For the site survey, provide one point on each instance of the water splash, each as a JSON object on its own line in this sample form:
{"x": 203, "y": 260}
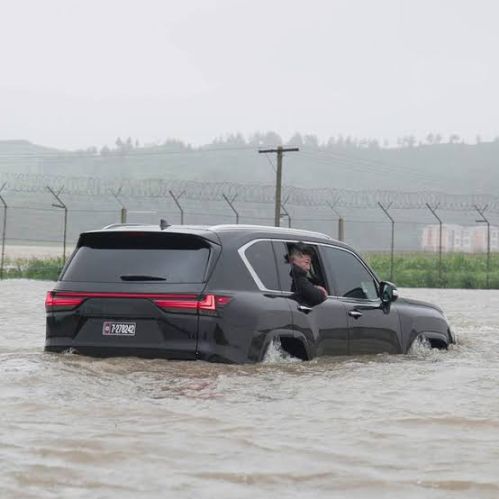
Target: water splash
{"x": 421, "y": 349}
{"x": 420, "y": 346}
{"x": 275, "y": 354}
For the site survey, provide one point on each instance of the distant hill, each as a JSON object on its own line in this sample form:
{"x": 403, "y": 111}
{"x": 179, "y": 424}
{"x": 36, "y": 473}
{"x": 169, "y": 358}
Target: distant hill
{"x": 342, "y": 164}
{"x": 447, "y": 167}
{"x": 22, "y": 156}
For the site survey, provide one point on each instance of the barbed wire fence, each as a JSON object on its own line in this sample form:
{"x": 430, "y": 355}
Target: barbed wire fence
{"x": 254, "y": 193}
{"x": 38, "y": 220}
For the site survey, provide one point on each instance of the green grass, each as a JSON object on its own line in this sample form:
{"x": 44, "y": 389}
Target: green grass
{"x": 421, "y": 270}
{"x": 411, "y": 270}
{"x": 32, "y": 268}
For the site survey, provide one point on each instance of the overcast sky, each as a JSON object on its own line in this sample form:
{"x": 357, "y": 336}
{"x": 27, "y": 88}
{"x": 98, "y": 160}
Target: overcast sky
{"x": 76, "y": 73}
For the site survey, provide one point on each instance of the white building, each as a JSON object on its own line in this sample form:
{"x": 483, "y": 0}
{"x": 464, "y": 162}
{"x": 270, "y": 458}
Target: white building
{"x": 466, "y": 239}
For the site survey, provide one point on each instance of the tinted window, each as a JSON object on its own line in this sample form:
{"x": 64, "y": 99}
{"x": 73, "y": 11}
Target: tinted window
{"x": 350, "y": 277}
{"x": 261, "y": 257}
{"x": 282, "y": 250}
{"x": 139, "y": 256}
{"x": 283, "y": 267}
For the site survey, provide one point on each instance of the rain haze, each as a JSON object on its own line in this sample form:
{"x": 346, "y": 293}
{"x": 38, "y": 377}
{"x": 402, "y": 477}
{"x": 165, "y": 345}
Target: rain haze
{"x": 81, "y": 73}
{"x": 373, "y": 124}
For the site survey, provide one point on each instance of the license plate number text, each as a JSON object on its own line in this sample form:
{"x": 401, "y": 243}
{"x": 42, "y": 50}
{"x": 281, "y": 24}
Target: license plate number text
{"x": 118, "y": 329}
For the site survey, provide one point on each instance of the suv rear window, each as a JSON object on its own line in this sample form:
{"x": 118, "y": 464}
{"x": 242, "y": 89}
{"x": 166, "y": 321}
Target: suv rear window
{"x": 139, "y": 257}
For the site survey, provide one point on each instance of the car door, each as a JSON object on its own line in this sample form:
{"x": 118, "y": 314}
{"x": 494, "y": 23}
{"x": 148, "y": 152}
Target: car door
{"x": 325, "y": 325}
{"x": 265, "y": 312}
{"x": 373, "y": 326}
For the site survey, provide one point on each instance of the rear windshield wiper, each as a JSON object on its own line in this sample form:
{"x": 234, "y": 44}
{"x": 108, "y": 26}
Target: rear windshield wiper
{"x": 141, "y": 277}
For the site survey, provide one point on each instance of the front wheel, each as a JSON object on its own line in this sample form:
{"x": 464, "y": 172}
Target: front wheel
{"x": 425, "y": 341}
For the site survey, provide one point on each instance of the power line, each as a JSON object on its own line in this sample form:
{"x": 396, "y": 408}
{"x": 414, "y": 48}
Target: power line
{"x": 267, "y": 157}
{"x": 371, "y": 166}
{"x": 116, "y": 154}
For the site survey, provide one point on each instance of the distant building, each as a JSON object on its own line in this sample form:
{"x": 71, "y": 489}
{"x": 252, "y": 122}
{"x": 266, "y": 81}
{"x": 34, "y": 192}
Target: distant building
{"x": 458, "y": 238}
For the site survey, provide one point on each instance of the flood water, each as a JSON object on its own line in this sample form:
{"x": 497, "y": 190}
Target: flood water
{"x": 424, "y": 425}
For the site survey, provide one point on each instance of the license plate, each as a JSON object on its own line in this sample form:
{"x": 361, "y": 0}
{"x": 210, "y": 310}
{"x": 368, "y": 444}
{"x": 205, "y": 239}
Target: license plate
{"x": 118, "y": 329}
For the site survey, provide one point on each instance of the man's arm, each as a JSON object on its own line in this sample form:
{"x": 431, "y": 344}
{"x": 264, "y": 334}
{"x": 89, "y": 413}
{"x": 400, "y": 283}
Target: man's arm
{"x": 304, "y": 289}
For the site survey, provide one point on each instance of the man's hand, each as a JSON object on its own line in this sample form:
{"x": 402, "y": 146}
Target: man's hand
{"x": 324, "y": 292}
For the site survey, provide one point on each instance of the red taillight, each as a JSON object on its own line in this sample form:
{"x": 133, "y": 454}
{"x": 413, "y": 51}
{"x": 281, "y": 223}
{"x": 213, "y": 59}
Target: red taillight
{"x": 71, "y": 299}
{"x": 209, "y": 303}
{"x": 184, "y": 302}
{"x": 64, "y": 300}
{"x": 222, "y": 300}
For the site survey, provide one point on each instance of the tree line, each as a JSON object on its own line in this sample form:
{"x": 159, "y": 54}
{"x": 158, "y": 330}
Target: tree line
{"x": 123, "y": 146}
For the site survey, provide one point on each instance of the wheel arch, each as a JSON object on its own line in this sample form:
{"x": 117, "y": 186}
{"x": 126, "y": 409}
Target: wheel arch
{"x": 436, "y": 339}
{"x": 293, "y": 342}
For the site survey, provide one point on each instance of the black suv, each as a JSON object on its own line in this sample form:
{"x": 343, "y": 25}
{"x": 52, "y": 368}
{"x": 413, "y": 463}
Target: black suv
{"x": 223, "y": 293}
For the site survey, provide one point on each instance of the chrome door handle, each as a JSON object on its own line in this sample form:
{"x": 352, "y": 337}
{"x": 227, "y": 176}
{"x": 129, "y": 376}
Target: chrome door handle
{"x": 303, "y": 308}
{"x": 355, "y": 314}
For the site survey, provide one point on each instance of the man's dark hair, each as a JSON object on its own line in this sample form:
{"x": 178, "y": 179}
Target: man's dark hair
{"x": 302, "y": 248}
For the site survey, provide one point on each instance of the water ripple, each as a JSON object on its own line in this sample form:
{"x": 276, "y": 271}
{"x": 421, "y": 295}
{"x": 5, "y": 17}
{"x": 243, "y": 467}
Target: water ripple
{"x": 417, "y": 425}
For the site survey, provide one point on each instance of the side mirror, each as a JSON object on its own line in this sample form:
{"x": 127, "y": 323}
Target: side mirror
{"x": 388, "y": 292}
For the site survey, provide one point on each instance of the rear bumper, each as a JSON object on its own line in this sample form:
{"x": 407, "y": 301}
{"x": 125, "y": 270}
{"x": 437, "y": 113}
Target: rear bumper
{"x": 207, "y": 352}
{"x": 98, "y": 350}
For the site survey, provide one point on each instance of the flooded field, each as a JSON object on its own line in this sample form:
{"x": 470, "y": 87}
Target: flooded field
{"x": 424, "y": 425}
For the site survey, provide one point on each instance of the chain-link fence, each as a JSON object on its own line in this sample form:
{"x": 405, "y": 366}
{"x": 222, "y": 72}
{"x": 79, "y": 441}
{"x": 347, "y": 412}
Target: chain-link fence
{"x": 45, "y": 220}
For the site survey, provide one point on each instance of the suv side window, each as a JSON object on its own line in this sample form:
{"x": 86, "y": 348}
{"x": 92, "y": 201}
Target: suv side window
{"x": 282, "y": 250}
{"x": 350, "y": 278}
{"x": 261, "y": 257}
{"x": 283, "y": 267}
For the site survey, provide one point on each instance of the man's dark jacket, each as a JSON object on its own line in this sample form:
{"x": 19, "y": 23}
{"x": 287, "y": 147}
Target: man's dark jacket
{"x": 303, "y": 288}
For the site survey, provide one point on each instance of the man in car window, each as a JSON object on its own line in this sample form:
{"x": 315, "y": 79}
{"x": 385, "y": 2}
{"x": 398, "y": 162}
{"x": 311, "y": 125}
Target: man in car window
{"x": 303, "y": 286}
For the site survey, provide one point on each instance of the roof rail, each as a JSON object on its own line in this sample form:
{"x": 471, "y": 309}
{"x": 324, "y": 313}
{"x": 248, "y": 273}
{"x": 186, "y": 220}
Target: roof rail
{"x": 112, "y": 226}
{"x": 269, "y": 228}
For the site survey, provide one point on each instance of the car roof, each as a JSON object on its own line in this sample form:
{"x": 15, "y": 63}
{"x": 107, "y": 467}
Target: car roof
{"x": 224, "y": 231}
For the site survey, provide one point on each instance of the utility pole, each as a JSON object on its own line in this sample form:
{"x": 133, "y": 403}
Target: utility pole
{"x": 278, "y": 183}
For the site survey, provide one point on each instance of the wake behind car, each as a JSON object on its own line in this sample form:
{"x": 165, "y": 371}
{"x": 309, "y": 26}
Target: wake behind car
{"x": 224, "y": 293}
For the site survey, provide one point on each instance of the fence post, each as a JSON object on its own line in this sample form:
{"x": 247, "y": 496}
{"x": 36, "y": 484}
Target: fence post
{"x": 3, "y": 230}
{"x": 286, "y": 212}
{"x": 393, "y": 235}
{"x": 123, "y": 211}
{"x": 433, "y": 210}
{"x": 341, "y": 222}
{"x": 481, "y": 212}
{"x": 176, "y": 198}
{"x": 65, "y": 208}
{"x": 230, "y": 203}
{"x": 341, "y": 229}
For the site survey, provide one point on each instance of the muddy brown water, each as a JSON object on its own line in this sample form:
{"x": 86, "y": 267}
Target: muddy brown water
{"x": 423, "y": 425}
